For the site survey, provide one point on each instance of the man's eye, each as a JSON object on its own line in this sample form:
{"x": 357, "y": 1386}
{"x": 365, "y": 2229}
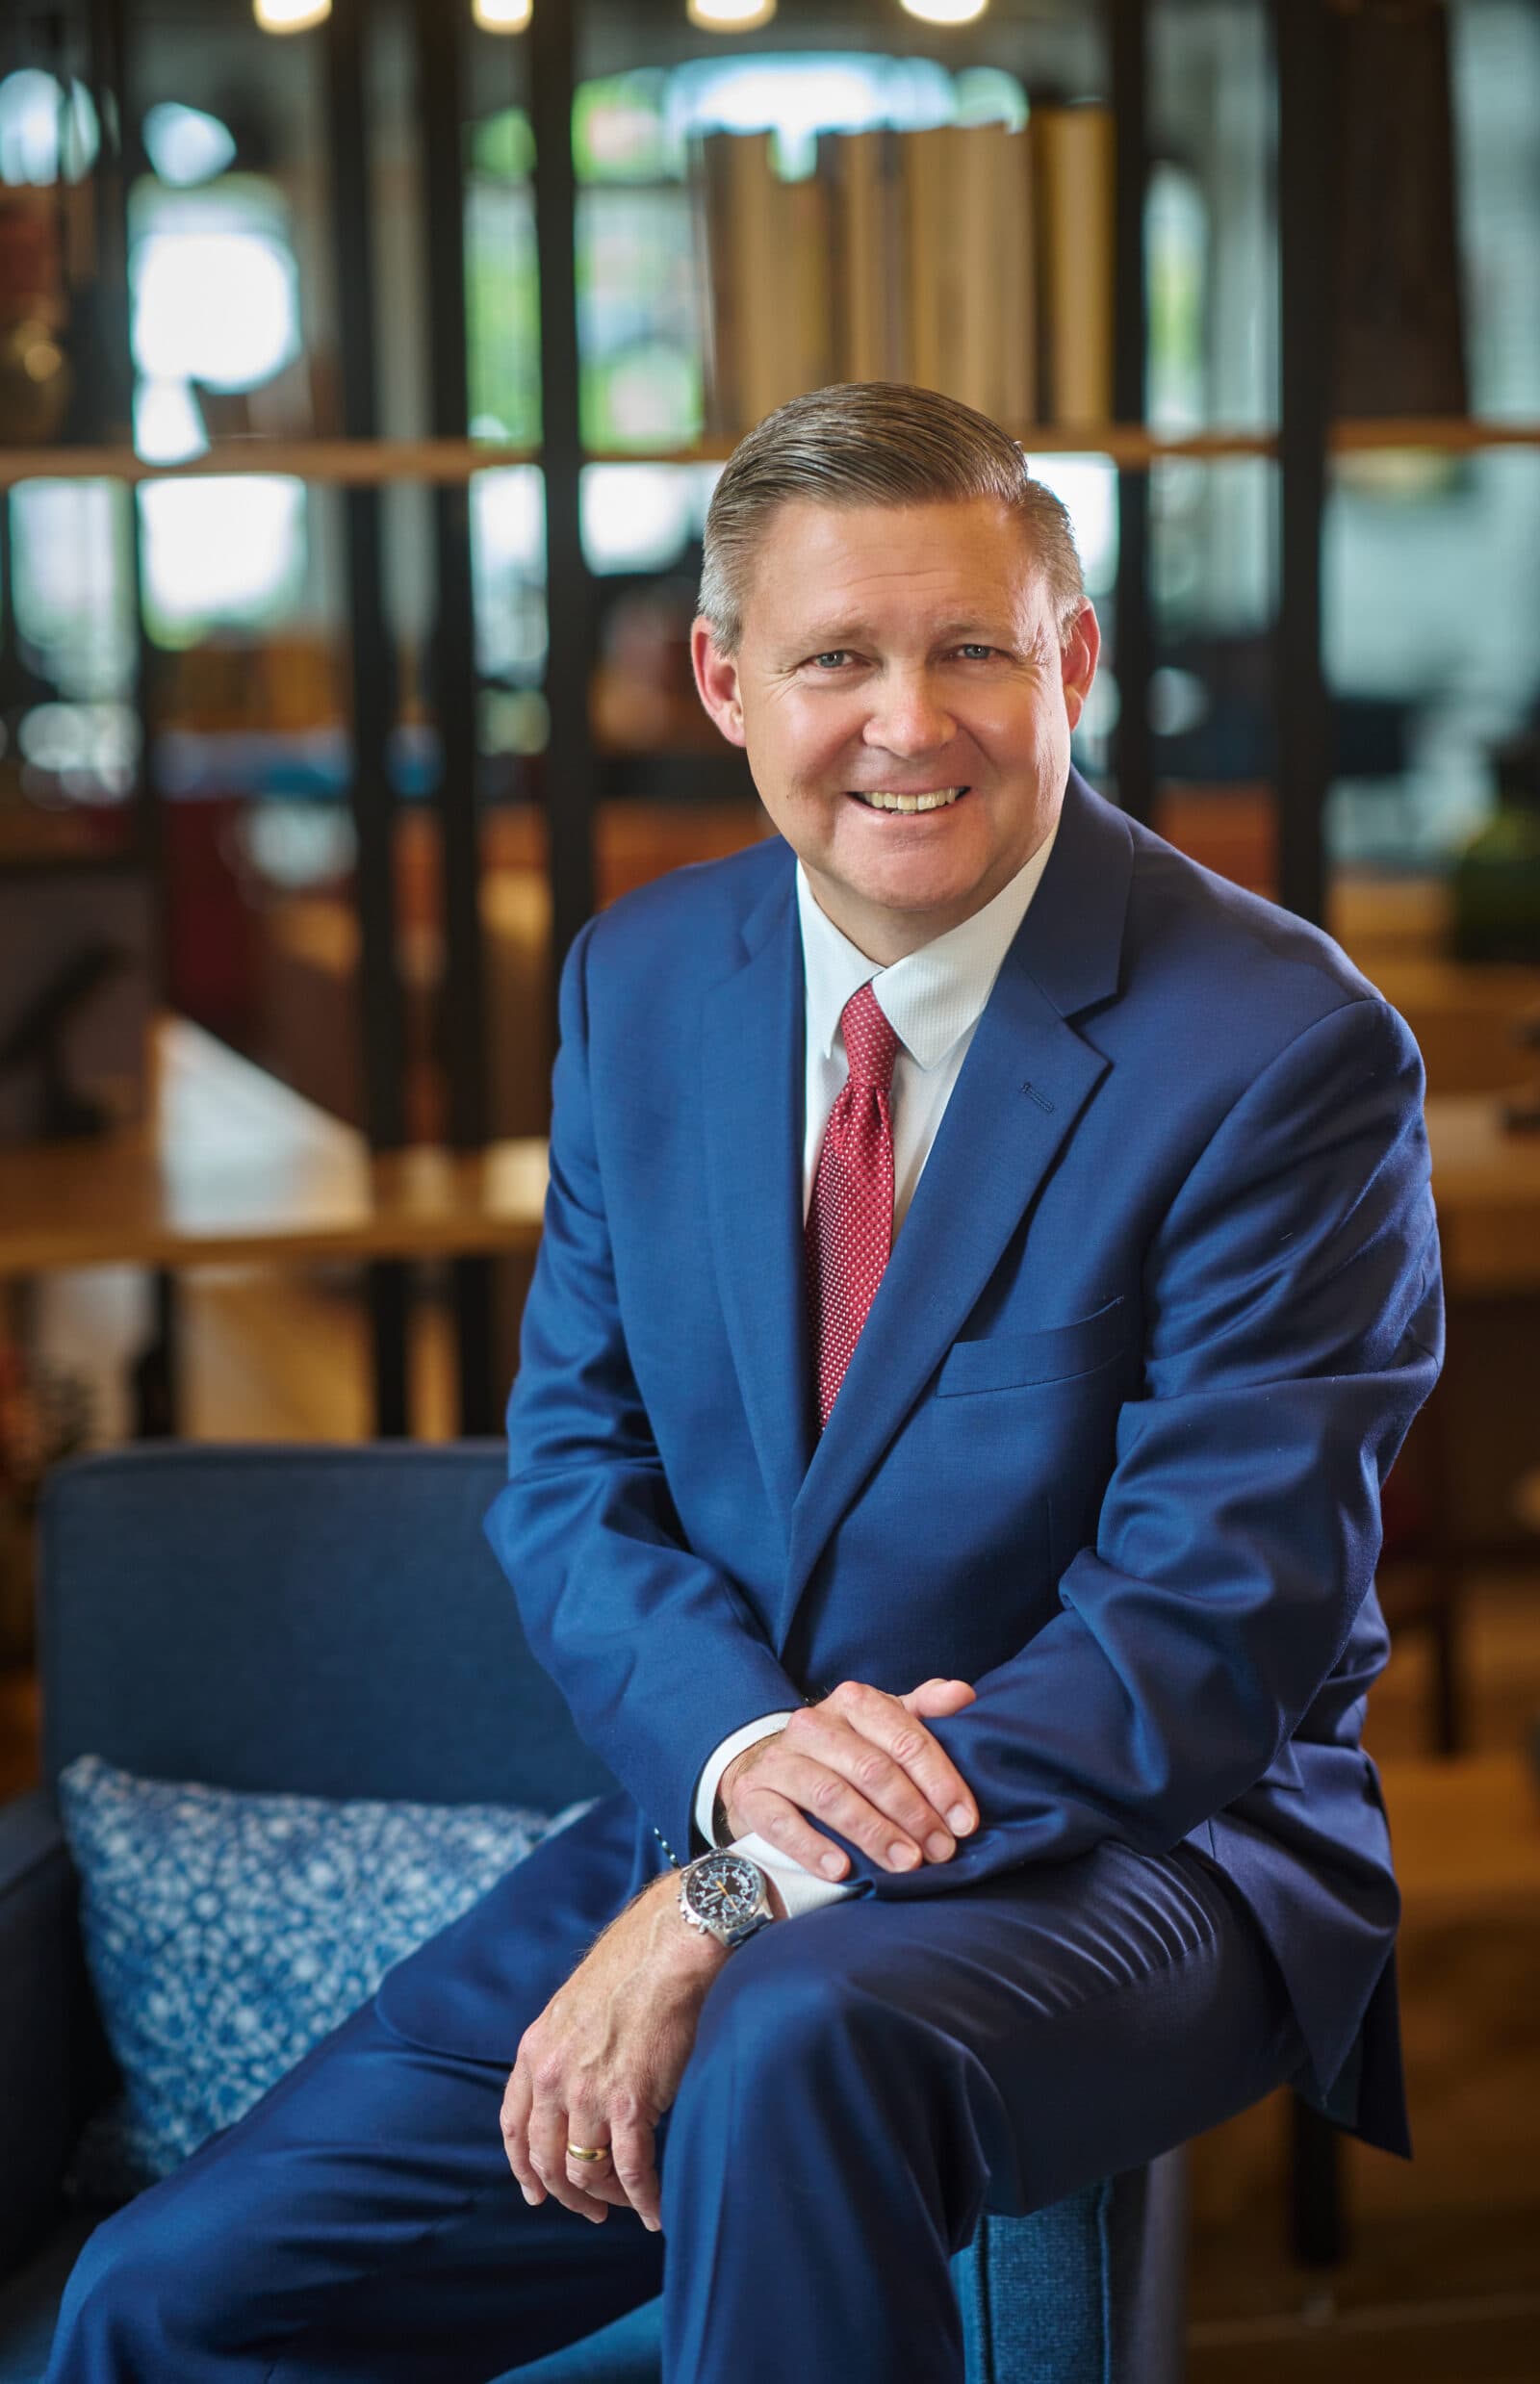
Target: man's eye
{"x": 842, "y": 654}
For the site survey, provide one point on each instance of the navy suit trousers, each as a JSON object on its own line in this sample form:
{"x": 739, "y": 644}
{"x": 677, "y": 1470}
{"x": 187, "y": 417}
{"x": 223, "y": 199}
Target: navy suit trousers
{"x": 866, "y": 2081}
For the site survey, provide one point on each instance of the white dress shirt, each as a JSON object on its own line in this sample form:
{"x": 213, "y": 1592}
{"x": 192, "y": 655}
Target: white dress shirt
{"x": 933, "y": 1000}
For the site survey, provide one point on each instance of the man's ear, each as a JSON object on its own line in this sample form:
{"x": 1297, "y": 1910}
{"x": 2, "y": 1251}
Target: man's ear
{"x": 1082, "y": 649}
{"x": 716, "y": 682}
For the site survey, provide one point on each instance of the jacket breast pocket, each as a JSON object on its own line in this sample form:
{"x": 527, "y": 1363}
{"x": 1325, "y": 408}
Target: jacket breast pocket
{"x": 1005, "y": 1361}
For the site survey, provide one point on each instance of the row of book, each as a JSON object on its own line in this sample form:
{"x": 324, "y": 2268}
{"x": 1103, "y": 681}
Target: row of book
{"x": 972, "y": 259}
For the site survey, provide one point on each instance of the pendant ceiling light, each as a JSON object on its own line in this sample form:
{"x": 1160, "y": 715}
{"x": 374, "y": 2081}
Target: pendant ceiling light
{"x": 501, "y": 15}
{"x": 945, "y": 11}
{"x": 729, "y": 16}
{"x": 290, "y": 15}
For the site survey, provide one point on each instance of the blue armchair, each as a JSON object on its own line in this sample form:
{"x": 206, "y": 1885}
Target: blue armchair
{"x": 329, "y": 1621}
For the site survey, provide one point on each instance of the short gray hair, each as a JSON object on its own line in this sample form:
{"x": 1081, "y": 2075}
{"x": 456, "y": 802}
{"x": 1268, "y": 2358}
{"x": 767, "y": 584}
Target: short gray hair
{"x": 874, "y": 443}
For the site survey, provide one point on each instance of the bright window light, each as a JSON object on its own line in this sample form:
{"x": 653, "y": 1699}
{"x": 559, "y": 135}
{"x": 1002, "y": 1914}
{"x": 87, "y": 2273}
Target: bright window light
{"x": 185, "y": 146}
{"x": 508, "y": 570}
{"x": 36, "y": 123}
{"x": 508, "y": 517}
{"x": 798, "y": 95}
{"x": 216, "y": 307}
{"x": 635, "y": 516}
{"x": 92, "y": 747}
{"x": 1086, "y": 487}
{"x": 221, "y": 550}
{"x": 71, "y": 582}
{"x": 168, "y": 426}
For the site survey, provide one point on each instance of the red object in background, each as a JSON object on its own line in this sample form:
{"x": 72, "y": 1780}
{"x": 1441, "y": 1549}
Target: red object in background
{"x": 211, "y": 954}
{"x": 31, "y": 268}
{"x": 1405, "y": 1517}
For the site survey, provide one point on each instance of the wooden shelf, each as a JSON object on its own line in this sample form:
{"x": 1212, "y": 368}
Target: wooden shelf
{"x": 374, "y": 462}
{"x": 343, "y": 463}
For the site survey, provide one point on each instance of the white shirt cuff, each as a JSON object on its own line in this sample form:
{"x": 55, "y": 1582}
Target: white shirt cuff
{"x": 716, "y": 1764}
{"x": 802, "y": 1892}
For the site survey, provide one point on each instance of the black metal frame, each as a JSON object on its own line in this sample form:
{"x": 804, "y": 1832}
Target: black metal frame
{"x": 1128, "y": 31}
{"x": 1303, "y": 712}
{"x": 439, "y": 35}
{"x": 155, "y": 1374}
{"x": 371, "y": 676}
{"x": 1302, "y": 709}
{"x": 570, "y": 596}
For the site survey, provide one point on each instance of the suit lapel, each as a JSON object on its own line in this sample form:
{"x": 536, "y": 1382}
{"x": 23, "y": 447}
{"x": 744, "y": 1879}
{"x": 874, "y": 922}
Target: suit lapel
{"x": 754, "y": 1038}
{"x": 1026, "y": 1076}
{"x": 996, "y": 1142}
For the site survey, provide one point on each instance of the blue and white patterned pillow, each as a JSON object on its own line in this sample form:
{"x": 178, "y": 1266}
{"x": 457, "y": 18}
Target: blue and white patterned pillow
{"x": 228, "y": 1933}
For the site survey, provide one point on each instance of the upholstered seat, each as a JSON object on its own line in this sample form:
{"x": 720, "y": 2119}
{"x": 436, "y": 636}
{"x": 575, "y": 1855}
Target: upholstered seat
{"x": 204, "y": 1612}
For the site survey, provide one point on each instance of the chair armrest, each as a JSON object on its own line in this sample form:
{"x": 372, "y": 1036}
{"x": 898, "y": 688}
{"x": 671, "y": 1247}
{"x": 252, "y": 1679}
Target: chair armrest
{"x": 53, "y": 2061}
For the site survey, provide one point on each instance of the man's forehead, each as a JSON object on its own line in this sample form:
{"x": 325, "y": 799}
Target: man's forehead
{"x": 892, "y": 552}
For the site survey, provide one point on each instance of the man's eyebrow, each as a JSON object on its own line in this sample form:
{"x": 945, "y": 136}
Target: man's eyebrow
{"x": 824, "y": 638}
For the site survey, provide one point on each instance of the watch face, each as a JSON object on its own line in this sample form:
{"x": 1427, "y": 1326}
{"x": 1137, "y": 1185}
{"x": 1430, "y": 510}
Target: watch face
{"x": 725, "y": 1890}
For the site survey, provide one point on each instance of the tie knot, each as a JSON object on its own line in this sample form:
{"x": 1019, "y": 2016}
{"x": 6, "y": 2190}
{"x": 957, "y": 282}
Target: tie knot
{"x": 871, "y": 1045}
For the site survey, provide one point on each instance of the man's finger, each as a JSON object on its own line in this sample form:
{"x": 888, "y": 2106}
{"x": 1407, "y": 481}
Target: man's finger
{"x": 548, "y": 2151}
{"x": 890, "y": 1760}
{"x": 888, "y": 1723}
{"x": 515, "y": 2125}
{"x": 935, "y": 1700}
{"x": 842, "y": 1782}
{"x": 631, "y": 2149}
{"x": 774, "y": 1817}
{"x": 596, "y": 2179}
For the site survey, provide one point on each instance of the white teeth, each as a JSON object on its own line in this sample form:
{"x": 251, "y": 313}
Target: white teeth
{"x": 881, "y": 801}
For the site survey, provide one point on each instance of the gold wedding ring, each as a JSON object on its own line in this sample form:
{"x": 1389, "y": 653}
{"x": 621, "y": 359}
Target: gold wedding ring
{"x": 587, "y": 2152}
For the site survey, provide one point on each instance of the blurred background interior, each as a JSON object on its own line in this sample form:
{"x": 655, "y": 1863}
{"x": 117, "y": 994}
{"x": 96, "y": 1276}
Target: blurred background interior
{"x": 364, "y": 373}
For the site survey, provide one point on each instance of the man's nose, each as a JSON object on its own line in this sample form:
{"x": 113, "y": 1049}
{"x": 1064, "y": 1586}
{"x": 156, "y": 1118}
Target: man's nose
{"x": 909, "y": 717}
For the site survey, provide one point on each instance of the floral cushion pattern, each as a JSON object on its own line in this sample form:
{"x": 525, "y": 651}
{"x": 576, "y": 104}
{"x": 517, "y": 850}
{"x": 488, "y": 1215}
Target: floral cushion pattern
{"x": 228, "y": 1933}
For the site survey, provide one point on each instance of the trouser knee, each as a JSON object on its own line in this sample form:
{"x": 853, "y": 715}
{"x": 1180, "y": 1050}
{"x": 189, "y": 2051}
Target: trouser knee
{"x": 803, "y": 2066}
{"x": 133, "y": 2308}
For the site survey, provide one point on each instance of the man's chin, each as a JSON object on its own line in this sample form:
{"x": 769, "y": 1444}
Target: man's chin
{"x": 911, "y": 906}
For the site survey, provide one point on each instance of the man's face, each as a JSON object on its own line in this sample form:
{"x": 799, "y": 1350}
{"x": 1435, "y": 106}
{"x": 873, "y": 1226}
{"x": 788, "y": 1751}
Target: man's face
{"x": 907, "y": 650}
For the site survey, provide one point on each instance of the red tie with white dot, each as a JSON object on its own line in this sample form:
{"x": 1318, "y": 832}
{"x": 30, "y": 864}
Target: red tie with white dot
{"x": 850, "y": 1219}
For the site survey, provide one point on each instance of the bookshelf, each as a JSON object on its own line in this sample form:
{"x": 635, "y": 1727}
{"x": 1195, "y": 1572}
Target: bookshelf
{"x": 1112, "y": 54}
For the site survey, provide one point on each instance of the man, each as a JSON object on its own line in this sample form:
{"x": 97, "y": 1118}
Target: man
{"x": 989, "y": 1272}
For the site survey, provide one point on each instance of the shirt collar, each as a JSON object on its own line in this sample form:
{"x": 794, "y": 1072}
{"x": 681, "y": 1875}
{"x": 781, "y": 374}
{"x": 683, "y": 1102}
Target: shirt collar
{"x": 930, "y": 996}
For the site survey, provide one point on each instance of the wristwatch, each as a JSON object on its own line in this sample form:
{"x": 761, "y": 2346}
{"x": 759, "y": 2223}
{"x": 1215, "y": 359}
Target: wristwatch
{"x": 726, "y": 1895}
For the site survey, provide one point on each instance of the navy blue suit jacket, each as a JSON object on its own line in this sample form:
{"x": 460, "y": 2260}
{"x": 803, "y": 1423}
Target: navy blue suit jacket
{"x": 1112, "y": 1441}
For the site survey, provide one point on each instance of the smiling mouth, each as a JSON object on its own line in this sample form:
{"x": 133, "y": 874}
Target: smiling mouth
{"x": 882, "y": 799}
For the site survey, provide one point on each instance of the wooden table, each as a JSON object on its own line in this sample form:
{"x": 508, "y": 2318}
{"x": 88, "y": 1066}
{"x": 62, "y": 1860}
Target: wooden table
{"x": 231, "y": 1165}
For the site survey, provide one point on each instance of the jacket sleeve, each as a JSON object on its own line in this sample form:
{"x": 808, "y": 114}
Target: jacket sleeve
{"x": 1294, "y": 1320}
{"x": 658, "y": 1655}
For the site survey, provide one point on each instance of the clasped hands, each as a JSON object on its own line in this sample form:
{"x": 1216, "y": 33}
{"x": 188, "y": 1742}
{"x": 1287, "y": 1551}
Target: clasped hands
{"x": 605, "y": 2058}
